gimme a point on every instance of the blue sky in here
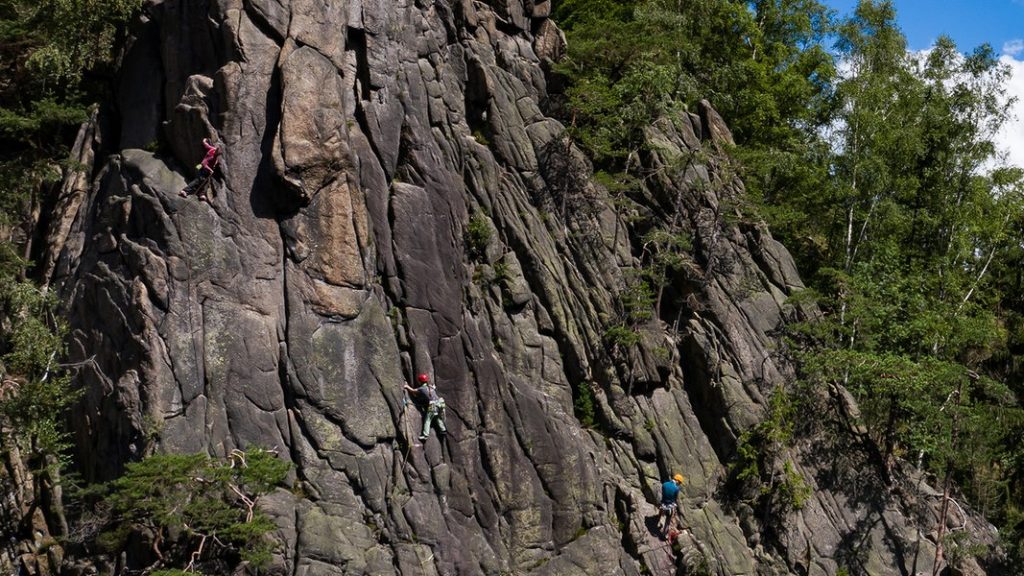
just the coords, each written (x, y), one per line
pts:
(969, 23)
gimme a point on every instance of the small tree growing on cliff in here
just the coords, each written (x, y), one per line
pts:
(761, 471)
(192, 509)
(34, 394)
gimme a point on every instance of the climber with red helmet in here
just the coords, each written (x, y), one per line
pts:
(206, 168)
(669, 502)
(427, 392)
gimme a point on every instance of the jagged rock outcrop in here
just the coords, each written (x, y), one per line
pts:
(362, 139)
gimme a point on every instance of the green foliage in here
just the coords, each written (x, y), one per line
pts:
(1013, 538)
(194, 503)
(621, 336)
(636, 306)
(583, 405)
(669, 248)
(769, 437)
(478, 236)
(760, 452)
(958, 548)
(36, 391)
(636, 299)
(760, 63)
(747, 464)
(55, 41)
(919, 217)
(481, 138)
(793, 489)
(665, 258)
(501, 271)
(49, 48)
(34, 337)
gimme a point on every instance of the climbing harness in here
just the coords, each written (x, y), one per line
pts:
(435, 413)
(668, 510)
(408, 433)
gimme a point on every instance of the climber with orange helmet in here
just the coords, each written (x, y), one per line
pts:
(669, 502)
(206, 168)
(427, 392)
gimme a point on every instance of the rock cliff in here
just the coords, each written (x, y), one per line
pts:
(394, 200)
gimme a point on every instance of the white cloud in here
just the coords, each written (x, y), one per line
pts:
(1013, 47)
(1011, 138)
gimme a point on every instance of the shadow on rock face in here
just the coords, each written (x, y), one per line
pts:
(651, 522)
(267, 199)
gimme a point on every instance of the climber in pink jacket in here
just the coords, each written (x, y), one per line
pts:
(206, 168)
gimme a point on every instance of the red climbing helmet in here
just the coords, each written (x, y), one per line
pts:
(423, 378)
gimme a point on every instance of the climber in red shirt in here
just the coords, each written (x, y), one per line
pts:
(206, 168)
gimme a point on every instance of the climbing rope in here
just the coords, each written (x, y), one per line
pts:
(396, 468)
(191, 325)
(408, 435)
(669, 548)
(188, 298)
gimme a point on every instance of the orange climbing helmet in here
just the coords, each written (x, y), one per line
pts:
(423, 378)
(678, 478)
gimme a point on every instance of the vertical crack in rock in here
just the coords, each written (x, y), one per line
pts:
(357, 44)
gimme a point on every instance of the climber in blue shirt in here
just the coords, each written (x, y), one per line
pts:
(669, 502)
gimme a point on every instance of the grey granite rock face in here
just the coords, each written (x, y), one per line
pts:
(336, 261)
